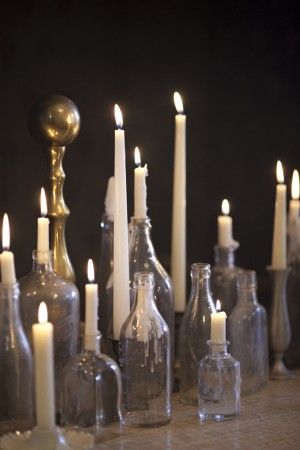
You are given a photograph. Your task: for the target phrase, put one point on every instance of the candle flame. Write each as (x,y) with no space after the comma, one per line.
(91,271)
(5,233)
(43,201)
(218,305)
(295,185)
(178,103)
(225,207)
(279,172)
(137,156)
(118,116)
(43,313)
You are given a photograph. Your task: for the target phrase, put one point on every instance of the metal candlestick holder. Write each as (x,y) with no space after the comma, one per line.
(280,329)
(55,121)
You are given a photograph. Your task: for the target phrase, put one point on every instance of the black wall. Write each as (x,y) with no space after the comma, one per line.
(237,65)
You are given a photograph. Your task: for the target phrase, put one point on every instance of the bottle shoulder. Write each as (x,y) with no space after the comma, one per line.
(48,284)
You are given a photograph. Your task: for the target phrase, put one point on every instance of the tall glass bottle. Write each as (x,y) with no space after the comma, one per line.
(145,359)
(248,333)
(142,258)
(62,300)
(195,332)
(224,277)
(16,366)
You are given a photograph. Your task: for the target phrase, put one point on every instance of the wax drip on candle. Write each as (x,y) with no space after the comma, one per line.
(109,202)
(118,117)
(295,189)
(178,103)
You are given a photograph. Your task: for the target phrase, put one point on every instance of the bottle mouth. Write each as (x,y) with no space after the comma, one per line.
(200,269)
(42,257)
(246,279)
(144,280)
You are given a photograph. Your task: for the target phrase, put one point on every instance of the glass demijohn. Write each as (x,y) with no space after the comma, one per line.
(145,359)
(195,331)
(16,365)
(248,333)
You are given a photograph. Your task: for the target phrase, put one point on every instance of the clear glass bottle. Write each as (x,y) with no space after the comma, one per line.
(219,384)
(224,277)
(88,381)
(16,365)
(195,331)
(142,258)
(145,359)
(62,300)
(248,331)
(292,354)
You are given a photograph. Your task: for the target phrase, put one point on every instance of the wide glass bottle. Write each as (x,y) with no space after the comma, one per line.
(248,331)
(224,277)
(145,359)
(62,300)
(195,331)
(16,365)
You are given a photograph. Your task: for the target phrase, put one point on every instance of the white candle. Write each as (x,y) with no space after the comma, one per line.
(279,230)
(121,302)
(225,226)
(110,199)
(140,188)
(178,251)
(43,230)
(8,273)
(91,309)
(218,325)
(44,370)
(294,205)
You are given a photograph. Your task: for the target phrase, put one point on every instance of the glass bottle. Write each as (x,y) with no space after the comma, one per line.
(248,331)
(145,359)
(62,300)
(16,365)
(219,384)
(88,380)
(142,258)
(195,331)
(224,277)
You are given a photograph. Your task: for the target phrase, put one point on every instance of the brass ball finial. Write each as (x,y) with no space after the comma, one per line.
(54,119)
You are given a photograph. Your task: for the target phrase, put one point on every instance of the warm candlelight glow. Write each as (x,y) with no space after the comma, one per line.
(91,271)
(43,201)
(178,103)
(137,156)
(5,233)
(295,185)
(279,172)
(218,305)
(118,116)
(43,313)
(225,207)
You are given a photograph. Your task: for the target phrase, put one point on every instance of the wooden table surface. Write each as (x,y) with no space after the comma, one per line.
(269,419)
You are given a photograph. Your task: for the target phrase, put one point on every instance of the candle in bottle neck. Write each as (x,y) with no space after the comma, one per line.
(140,188)
(294,202)
(8,273)
(279,230)
(225,226)
(43,229)
(91,309)
(218,325)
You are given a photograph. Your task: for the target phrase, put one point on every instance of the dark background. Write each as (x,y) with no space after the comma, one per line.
(237,66)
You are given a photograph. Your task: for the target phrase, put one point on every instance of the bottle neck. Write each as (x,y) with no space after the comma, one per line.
(201,288)
(140,241)
(247,295)
(9,308)
(107,225)
(225,256)
(92,343)
(42,261)
(218,349)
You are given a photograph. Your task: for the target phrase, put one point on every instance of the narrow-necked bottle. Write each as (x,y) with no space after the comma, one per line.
(145,359)
(195,332)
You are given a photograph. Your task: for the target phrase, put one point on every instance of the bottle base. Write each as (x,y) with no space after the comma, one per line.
(145,419)
(217,417)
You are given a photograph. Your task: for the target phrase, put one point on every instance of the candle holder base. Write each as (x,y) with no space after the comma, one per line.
(279,371)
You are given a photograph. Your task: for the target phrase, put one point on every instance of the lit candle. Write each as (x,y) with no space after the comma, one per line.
(140,188)
(279,230)
(178,251)
(294,202)
(8,273)
(225,226)
(121,302)
(91,308)
(110,199)
(218,325)
(44,370)
(43,230)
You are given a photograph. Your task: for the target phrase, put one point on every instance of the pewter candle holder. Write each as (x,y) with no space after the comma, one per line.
(280,329)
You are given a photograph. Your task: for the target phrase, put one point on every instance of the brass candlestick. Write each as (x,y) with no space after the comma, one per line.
(54,120)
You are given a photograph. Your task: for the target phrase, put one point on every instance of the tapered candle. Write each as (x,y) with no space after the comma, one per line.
(225,226)
(8,272)
(110,199)
(43,230)
(121,302)
(218,325)
(140,188)
(44,370)
(91,309)
(279,230)
(178,250)
(294,205)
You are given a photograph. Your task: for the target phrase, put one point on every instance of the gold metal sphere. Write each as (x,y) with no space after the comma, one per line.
(54,119)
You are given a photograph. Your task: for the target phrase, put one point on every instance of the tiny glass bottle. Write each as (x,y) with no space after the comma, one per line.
(62,300)
(145,359)
(248,333)
(194,332)
(224,276)
(16,365)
